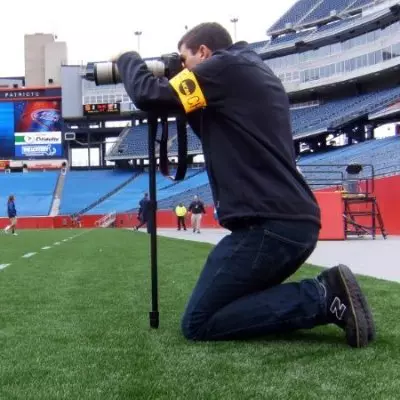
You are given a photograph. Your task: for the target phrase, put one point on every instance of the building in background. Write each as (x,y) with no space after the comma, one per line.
(44,56)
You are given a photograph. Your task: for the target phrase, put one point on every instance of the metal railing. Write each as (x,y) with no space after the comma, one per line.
(328,176)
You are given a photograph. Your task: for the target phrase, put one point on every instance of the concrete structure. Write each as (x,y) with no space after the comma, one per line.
(43,59)
(11,82)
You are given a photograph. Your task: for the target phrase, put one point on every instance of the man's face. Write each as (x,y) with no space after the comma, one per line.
(190,59)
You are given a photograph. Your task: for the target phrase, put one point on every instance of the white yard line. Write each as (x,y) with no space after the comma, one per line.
(28,255)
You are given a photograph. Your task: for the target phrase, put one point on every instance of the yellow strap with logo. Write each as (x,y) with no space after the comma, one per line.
(188,89)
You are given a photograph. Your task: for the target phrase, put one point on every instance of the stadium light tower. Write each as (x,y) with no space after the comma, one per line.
(234,22)
(138,34)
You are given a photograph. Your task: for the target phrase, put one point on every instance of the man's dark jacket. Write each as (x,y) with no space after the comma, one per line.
(197,207)
(245,131)
(144,208)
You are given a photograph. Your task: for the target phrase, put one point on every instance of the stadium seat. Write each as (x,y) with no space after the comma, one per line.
(128,198)
(320,118)
(308,11)
(324,9)
(82,188)
(33,191)
(333,113)
(294,14)
(359,4)
(382,154)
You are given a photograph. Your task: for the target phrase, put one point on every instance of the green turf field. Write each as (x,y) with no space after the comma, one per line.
(74,325)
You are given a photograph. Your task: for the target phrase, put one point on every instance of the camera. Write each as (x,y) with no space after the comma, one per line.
(106,73)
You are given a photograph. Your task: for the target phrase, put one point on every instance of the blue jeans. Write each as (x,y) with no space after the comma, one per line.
(240,294)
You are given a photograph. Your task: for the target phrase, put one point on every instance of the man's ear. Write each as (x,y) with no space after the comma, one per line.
(205,52)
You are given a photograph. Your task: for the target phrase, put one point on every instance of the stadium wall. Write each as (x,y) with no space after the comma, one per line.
(387,192)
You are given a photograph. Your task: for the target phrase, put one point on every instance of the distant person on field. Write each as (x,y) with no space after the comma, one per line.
(12,215)
(197,209)
(144,212)
(181,212)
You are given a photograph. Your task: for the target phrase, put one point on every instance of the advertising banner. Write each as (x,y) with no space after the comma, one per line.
(38,129)
(37,138)
(30,129)
(38,150)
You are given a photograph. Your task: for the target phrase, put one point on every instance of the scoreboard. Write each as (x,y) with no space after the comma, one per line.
(102,109)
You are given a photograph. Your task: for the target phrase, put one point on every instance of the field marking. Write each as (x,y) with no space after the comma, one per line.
(28,255)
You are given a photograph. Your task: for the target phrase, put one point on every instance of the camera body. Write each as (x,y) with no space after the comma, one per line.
(106,73)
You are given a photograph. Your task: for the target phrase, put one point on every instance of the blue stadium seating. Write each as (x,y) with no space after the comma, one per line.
(305,120)
(382,154)
(129,197)
(82,188)
(194,144)
(332,114)
(258,45)
(359,4)
(33,192)
(297,14)
(289,37)
(324,9)
(135,142)
(335,24)
(186,196)
(294,14)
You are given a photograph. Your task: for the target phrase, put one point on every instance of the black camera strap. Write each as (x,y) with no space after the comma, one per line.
(182,148)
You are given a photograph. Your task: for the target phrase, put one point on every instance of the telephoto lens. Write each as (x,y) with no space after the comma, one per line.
(106,73)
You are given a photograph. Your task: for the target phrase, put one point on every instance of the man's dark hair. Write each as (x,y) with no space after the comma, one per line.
(211,34)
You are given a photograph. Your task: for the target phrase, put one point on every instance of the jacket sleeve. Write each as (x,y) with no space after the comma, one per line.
(148,92)
(187,91)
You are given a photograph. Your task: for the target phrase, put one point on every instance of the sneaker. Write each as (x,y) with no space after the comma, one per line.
(346,305)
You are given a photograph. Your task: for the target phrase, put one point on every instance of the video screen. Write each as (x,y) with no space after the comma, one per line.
(7,147)
(30,129)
